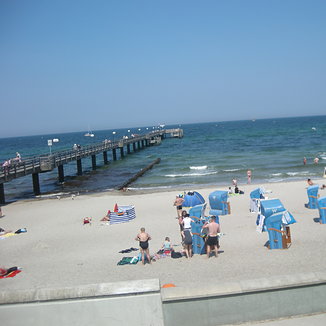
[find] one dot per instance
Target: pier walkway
(45, 163)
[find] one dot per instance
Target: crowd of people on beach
(211, 229)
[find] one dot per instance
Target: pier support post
(61, 175)
(139, 145)
(2, 194)
(36, 184)
(114, 154)
(128, 148)
(94, 162)
(134, 147)
(147, 142)
(79, 167)
(105, 157)
(122, 154)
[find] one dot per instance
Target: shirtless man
(143, 238)
(212, 238)
(178, 203)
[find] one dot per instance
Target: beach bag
(176, 254)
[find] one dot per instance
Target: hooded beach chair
(322, 210)
(197, 214)
(312, 192)
(255, 197)
(276, 221)
(218, 201)
(192, 198)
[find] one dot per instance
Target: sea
(209, 154)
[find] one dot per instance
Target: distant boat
(89, 133)
(313, 128)
(162, 126)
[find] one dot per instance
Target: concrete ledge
(236, 288)
(81, 292)
(245, 301)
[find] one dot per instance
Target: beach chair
(276, 221)
(312, 192)
(218, 201)
(322, 210)
(197, 214)
(198, 238)
(192, 198)
(255, 197)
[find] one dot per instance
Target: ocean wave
(231, 170)
(275, 174)
(203, 167)
(150, 187)
(189, 174)
(292, 174)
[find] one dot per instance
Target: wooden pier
(45, 163)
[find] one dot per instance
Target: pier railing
(44, 163)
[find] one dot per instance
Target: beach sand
(58, 250)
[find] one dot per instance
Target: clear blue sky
(109, 64)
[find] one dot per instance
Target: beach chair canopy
(193, 198)
(218, 201)
(273, 224)
(322, 209)
(271, 206)
(257, 193)
(312, 193)
(198, 211)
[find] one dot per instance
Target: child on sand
(167, 246)
(143, 238)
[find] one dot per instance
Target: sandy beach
(58, 250)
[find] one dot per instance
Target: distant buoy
(313, 128)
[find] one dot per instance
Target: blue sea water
(208, 154)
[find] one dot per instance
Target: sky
(73, 65)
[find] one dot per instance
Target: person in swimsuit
(143, 238)
(178, 203)
(212, 238)
(167, 246)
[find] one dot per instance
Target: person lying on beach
(106, 218)
(323, 187)
(143, 238)
(238, 191)
(178, 203)
(212, 237)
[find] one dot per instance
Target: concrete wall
(144, 303)
(245, 301)
(123, 303)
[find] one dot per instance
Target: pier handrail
(46, 162)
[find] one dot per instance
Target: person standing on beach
(187, 236)
(178, 203)
(143, 238)
(304, 161)
(249, 176)
(212, 236)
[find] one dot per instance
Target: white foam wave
(203, 167)
(189, 174)
(231, 170)
(276, 174)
